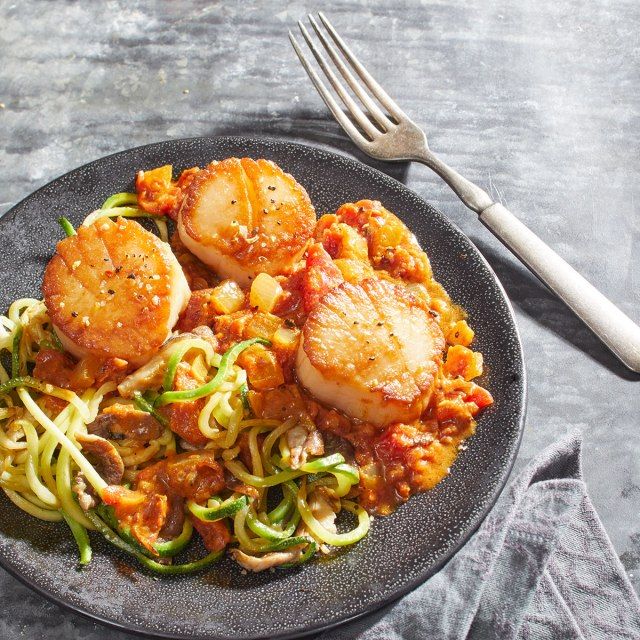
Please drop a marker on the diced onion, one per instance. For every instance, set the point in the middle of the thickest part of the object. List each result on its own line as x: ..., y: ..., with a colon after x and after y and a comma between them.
x: 265, y: 292
x: 262, y: 325
x: 460, y: 333
x: 285, y: 337
x: 227, y: 297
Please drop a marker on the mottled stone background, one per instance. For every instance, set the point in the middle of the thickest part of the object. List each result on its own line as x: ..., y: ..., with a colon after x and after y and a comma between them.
x: 538, y: 102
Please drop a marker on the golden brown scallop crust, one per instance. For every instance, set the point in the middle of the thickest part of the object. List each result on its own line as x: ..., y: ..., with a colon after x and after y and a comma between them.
x: 360, y: 334
x: 267, y: 219
x: 108, y: 289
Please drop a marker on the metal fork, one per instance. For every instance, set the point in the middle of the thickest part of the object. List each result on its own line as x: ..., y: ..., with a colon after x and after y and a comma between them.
x: 387, y: 133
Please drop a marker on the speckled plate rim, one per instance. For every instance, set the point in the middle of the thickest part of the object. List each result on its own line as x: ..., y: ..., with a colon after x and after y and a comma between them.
x: 409, y: 585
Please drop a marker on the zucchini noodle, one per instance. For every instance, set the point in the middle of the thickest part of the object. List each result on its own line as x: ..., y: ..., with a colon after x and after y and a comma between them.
x: 67, y: 227
x: 32, y: 471
x: 64, y: 481
x: 125, y: 205
x: 67, y: 445
x: 31, y: 508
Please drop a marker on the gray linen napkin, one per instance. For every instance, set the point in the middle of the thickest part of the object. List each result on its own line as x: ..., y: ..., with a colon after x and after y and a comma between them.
x: 540, y: 567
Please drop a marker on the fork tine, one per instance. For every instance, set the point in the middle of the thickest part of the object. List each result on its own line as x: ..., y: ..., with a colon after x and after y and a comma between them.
x: 366, y: 77
x: 329, y: 100
x: 351, y: 105
x: 371, y: 106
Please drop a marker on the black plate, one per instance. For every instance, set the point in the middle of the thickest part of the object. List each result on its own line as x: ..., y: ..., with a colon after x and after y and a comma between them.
x: 401, y: 550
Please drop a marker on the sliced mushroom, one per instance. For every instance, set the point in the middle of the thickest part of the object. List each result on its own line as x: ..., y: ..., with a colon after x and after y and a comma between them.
x: 187, y: 446
x: 82, y: 490
x: 151, y: 374
x: 303, y: 440
x: 268, y: 560
x: 125, y: 421
x: 104, y: 457
x: 101, y: 426
x: 146, y: 377
x: 324, y: 508
x: 175, y: 517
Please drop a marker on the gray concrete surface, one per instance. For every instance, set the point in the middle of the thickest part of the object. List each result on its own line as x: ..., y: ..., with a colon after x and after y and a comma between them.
x: 539, y: 102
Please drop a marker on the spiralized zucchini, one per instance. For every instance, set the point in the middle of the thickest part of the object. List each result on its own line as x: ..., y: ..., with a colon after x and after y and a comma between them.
x: 125, y: 205
x: 40, y: 456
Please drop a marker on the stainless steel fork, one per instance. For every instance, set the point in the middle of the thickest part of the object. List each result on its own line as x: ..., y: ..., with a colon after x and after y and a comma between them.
x: 387, y: 133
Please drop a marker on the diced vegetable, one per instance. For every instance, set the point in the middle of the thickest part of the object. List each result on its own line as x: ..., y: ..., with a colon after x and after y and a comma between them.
x: 156, y: 190
x: 265, y: 292
x: 262, y: 367
x: 460, y: 333
x: 227, y: 297
x: 285, y: 337
x: 461, y: 361
x: 262, y: 325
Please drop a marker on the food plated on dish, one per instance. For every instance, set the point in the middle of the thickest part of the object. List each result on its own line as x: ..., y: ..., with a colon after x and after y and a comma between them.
x: 263, y: 377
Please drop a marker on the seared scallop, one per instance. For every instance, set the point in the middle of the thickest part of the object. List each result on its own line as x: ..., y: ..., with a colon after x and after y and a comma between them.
x: 371, y: 350
x: 114, y: 290
x: 244, y: 217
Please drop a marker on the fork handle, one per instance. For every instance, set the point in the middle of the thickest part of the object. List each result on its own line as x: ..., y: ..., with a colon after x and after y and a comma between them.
x: 609, y: 323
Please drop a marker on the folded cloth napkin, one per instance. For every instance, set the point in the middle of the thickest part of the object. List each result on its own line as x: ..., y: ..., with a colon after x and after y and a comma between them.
x: 541, y: 567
